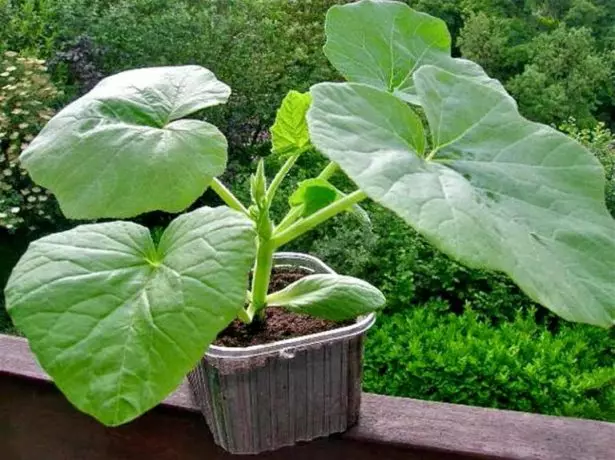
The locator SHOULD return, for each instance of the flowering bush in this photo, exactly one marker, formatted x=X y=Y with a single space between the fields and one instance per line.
x=26 y=100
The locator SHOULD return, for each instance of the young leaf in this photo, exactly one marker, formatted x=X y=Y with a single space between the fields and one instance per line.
x=289 y=133
x=258 y=186
x=118 y=322
x=497 y=192
x=332 y=297
x=382 y=43
x=123 y=149
x=313 y=194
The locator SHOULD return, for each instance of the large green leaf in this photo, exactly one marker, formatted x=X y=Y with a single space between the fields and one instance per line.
x=497 y=191
x=381 y=43
x=369 y=114
x=118 y=322
x=289 y=133
x=332 y=297
x=123 y=148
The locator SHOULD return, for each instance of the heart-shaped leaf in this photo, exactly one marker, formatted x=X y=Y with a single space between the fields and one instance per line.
x=289 y=133
x=118 y=322
x=332 y=297
x=381 y=43
x=497 y=191
x=123 y=149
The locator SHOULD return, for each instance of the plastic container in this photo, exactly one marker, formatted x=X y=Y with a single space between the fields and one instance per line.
x=265 y=397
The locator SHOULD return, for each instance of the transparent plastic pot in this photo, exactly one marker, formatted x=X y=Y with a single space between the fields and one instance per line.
x=264 y=397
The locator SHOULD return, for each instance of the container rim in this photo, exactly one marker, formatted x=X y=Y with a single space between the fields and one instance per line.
x=310 y=263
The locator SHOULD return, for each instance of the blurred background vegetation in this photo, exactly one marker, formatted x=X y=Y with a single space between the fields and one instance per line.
x=449 y=333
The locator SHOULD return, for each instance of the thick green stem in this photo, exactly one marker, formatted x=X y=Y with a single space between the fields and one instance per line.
x=295 y=213
x=227 y=196
x=261 y=276
x=299 y=228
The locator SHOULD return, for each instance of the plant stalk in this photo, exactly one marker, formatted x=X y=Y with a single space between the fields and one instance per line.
x=228 y=197
x=261 y=276
x=304 y=225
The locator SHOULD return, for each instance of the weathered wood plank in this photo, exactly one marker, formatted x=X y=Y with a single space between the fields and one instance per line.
x=37 y=422
x=482 y=432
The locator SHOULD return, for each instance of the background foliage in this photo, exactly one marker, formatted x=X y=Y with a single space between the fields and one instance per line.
x=450 y=333
x=26 y=99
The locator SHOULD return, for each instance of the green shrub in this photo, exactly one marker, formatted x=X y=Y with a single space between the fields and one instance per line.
x=427 y=354
x=261 y=48
x=601 y=141
x=555 y=59
x=26 y=99
x=565 y=76
x=28 y=26
x=496 y=42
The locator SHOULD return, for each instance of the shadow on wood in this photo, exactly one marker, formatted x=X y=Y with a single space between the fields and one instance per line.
x=37 y=423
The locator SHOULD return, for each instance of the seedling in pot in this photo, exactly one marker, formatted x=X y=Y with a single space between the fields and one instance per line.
x=117 y=320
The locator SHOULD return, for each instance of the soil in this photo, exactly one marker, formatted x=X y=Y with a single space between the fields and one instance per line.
x=278 y=324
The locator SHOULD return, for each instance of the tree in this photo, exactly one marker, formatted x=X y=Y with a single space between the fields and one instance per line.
x=565 y=76
x=493 y=41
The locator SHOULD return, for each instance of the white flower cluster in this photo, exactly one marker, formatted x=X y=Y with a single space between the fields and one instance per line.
x=26 y=99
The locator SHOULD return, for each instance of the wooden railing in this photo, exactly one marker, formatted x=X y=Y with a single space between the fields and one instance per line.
x=37 y=423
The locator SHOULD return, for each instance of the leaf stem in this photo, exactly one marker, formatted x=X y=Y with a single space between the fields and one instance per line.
x=244 y=316
x=227 y=196
x=281 y=174
x=290 y=218
x=304 y=225
x=329 y=170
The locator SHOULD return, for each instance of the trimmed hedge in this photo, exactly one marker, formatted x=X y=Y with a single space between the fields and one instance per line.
x=425 y=353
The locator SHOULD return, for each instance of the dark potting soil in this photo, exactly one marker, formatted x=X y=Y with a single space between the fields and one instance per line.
x=278 y=324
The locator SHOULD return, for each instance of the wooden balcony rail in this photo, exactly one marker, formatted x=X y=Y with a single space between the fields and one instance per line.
x=37 y=423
